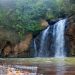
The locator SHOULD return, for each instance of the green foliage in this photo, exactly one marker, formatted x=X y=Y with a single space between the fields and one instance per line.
x=24 y=15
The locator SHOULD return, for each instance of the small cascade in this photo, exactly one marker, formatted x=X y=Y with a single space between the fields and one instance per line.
x=59 y=41
x=43 y=50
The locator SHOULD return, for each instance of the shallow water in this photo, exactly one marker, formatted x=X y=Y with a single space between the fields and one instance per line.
x=38 y=66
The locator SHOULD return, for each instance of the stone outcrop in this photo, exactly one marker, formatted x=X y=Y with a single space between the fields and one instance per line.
x=18 y=49
x=43 y=23
x=23 y=46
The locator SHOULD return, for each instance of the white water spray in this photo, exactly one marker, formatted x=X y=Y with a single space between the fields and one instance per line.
x=42 y=51
x=58 y=33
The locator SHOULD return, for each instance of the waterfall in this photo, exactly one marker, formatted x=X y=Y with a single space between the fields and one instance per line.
x=51 y=42
x=58 y=33
x=43 y=51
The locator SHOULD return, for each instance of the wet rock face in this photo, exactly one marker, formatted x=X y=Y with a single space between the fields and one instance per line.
x=71 y=34
x=23 y=46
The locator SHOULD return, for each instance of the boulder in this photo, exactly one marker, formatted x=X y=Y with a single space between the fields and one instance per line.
x=43 y=23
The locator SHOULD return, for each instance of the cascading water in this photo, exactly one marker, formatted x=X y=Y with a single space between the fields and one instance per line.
x=42 y=51
x=52 y=41
x=58 y=33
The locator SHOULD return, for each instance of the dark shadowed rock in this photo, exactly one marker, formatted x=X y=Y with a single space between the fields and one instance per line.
x=53 y=21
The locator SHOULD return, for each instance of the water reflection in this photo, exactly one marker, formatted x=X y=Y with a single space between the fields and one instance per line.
x=60 y=67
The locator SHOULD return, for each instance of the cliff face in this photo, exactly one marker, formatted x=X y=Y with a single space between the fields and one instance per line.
x=22 y=48
x=71 y=34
